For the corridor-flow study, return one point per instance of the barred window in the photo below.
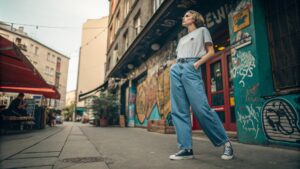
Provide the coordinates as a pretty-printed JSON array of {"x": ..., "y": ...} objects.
[{"x": 284, "y": 38}]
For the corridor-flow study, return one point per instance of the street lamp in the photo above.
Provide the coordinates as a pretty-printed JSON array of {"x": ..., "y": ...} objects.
[
  {"x": 155, "y": 46},
  {"x": 130, "y": 66}
]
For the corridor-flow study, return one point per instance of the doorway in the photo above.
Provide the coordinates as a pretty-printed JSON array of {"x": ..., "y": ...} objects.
[{"x": 220, "y": 88}]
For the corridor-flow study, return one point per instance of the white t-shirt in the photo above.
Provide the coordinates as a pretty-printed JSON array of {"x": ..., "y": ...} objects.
[{"x": 193, "y": 44}]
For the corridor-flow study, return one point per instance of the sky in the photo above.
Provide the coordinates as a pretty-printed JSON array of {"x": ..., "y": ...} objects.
[{"x": 65, "y": 17}]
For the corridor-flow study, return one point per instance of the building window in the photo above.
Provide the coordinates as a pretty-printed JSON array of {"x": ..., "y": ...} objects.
[
  {"x": 117, "y": 26},
  {"x": 47, "y": 70},
  {"x": 31, "y": 48},
  {"x": 111, "y": 37},
  {"x": 114, "y": 57},
  {"x": 156, "y": 4},
  {"x": 126, "y": 8},
  {"x": 284, "y": 34},
  {"x": 48, "y": 57},
  {"x": 53, "y": 59},
  {"x": 52, "y": 72},
  {"x": 137, "y": 24},
  {"x": 58, "y": 64},
  {"x": 126, "y": 40},
  {"x": 107, "y": 64},
  {"x": 36, "y": 50},
  {"x": 18, "y": 41}
]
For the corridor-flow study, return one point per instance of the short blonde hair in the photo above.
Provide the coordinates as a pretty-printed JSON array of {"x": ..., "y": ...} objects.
[{"x": 199, "y": 20}]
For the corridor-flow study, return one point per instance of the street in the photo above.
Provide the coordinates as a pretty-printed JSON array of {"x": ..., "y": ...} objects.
[{"x": 76, "y": 145}]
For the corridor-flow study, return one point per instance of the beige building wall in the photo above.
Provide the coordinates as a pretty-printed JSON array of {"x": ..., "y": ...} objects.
[
  {"x": 92, "y": 56},
  {"x": 44, "y": 60},
  {"x": 70, "y": 97}
]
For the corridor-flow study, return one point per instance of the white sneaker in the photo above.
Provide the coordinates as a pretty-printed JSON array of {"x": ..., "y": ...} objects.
[
  {"x": 182, "y": 155},
  {"x": 228, "y": 153}
]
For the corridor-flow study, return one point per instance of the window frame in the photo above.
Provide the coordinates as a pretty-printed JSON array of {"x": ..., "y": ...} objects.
[{"x": 282, "y": 83}]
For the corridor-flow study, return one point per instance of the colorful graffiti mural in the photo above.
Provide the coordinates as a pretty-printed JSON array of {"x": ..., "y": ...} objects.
[
  {"x": 146, "y": 98},
  {"x": 281, "y": 121},
  {"x": 163, "y": 94},
  {"x": 152, "y": 86},
  {"x": 154, "y": 91},
  {"x": 131, "y": 106}
]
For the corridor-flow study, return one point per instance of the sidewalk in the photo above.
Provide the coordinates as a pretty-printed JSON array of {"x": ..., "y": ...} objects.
[
  {"x": 80, "y": 146},
  {"x": 135, "y": 148},
  {"x": 14, "y": 143},
  {"x": 56, "y": 147},
  {"x": 79, "y": 153}
]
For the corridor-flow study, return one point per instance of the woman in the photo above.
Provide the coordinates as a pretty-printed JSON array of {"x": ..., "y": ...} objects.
[{"x": 187, "y": 89}]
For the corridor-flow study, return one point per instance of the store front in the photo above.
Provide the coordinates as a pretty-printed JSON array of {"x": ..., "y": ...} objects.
[
  {"x": 216, "y": 72},
  {"x": 148, "y": 95},
  {"x": 252, "y": 82}
]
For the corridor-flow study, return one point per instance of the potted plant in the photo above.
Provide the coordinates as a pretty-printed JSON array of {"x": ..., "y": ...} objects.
[{"x": 106, "y": 106}]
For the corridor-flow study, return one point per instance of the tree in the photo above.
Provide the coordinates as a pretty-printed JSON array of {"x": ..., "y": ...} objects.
[{"x": 68, "y": 111}]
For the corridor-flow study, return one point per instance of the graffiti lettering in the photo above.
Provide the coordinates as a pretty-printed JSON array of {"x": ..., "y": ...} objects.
[
  {"x": 281, "y": 121},
  {"x": 218, "y": 16}
]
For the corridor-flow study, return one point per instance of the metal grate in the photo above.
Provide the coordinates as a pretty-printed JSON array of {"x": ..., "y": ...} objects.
[
  {"x": 280, "y": 121},
  {"x": 83, "y": 160}
]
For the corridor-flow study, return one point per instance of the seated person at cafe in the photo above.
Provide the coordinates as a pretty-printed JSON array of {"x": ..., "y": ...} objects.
[
  {"x": 18, "y": 107},
  {"x": 2, "y": 111},
  {"x": 2, "y": 108}
]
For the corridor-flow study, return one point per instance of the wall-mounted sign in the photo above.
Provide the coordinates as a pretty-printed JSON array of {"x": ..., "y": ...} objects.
[
  {"x": 241, "y": 20},
  {"x": 242, "y": 39}
]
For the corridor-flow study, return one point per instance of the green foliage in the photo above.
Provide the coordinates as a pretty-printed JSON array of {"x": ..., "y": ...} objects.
[
  {"x": 106, "y": 105},
  {"x": 68, "y": 111}
]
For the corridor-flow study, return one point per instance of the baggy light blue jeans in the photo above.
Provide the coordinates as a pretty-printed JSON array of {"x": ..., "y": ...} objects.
[{"x": 187, "y": 89}]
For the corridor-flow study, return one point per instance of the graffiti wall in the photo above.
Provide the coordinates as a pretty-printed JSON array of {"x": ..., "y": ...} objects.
[
  {"x": 245, "y": 73},
  {"x": 152, "y": 101},
  {"x": 146, "y": 97},
  {"x": 131, "y": 106},
  {"x": 281, "y": 119},
  {"x": 260, "y": 120},
  {"x": 163, "y": 93},
  {"x": 249, "y": 119},
  {"x": 243, "y": 64}
]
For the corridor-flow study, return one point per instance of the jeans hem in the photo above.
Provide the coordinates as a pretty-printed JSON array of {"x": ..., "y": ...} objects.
[
  {"x": 222, "y": 143},
  {"x": 184, "y": 148}
]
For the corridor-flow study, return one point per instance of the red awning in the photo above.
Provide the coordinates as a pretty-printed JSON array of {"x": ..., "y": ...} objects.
[{"x": 17, "y": 74}]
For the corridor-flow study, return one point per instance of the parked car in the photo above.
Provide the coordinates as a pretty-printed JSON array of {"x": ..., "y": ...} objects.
[
  {"x": 92, "y": 120},
  {"x": 59, "y": 120}
]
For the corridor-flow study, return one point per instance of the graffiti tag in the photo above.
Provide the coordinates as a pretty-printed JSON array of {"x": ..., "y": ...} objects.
[
  {"x": 250, "y": 122},
  {"x": 281, "y": 121},
  {"x": 243, "y": 65}
]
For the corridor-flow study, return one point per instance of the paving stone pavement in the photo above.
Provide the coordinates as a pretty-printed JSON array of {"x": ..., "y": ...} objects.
[
  {"x": 82, "y": 146},
  {"x": 51, "y": 148}
]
